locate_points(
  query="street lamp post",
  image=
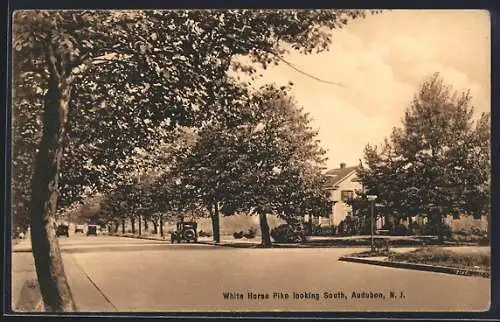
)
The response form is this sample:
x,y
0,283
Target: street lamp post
x,y
372,199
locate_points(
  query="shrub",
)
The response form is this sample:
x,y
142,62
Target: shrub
x,y
238,235
484,242
446,231
475,233
286,233
251,233
204,234
388,226
400,230
431,229
415,229
324,231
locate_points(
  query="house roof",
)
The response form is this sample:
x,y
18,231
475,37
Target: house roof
x,y
335,176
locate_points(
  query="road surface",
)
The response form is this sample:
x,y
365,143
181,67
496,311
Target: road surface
x,y
123,274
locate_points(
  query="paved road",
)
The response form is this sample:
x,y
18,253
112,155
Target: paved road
x,y
121,274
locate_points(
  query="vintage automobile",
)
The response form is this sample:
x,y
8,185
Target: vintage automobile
x,y
79,229
92,230
62,230
186,231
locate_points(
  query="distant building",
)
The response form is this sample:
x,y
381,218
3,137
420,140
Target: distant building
x,y
343,184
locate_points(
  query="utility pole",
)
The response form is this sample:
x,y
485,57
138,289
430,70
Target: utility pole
x,y
372,199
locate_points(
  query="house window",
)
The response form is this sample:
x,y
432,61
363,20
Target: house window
x,y
346,195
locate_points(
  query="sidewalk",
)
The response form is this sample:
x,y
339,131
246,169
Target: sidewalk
x,y
23,245
26,295
87,296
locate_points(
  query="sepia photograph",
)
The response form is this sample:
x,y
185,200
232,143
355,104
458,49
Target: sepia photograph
x,y
250,160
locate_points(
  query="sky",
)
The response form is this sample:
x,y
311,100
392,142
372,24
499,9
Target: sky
x,y
381,61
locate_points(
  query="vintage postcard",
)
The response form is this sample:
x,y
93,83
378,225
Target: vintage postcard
x,y
243,160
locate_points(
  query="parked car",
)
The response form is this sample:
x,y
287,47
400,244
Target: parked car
x,y
92,230
79,229
62,230
186,231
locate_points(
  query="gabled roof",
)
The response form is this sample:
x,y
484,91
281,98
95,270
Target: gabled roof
x,y
335,176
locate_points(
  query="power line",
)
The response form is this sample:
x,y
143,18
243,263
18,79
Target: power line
x,y
303,72
309,75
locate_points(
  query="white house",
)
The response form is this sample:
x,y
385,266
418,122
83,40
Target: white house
x,y
343,184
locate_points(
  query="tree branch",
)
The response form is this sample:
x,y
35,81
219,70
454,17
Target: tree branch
x,y
51,63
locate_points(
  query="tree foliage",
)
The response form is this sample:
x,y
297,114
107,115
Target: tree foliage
x,y
171,67
123,74
437,162
266,161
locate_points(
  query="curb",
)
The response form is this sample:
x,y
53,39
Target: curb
x,y
140,237
419,267
274,245
237,245
246,245
22,250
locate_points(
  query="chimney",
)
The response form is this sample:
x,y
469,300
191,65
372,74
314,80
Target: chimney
x,y
342,165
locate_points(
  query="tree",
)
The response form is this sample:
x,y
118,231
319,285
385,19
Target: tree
x,y
211,171
265,161
284,161
438,162
149,188
186,52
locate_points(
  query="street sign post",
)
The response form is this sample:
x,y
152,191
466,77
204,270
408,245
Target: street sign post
x,y
372,199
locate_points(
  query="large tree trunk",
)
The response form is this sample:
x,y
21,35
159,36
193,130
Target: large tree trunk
x,y
155,226
309,225
216,224
140,225
488,232
146,224
264,230
132,222
161,226
440,227
49,266
123,225
117,226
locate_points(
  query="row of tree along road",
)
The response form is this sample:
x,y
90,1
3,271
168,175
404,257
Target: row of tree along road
x,y
144,108
92,90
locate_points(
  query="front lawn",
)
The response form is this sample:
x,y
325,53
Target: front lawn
x,y
443,257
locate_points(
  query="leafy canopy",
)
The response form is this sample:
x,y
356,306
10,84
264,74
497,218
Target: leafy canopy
x,y
133,72
438,161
